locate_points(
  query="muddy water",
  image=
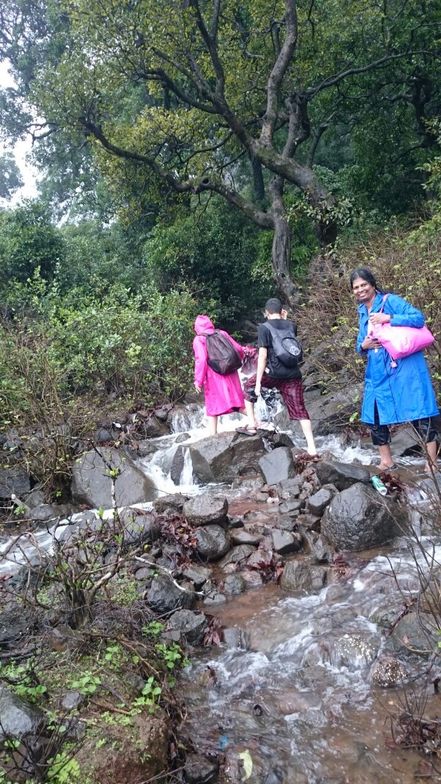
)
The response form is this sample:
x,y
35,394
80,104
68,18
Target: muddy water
x,y
299,699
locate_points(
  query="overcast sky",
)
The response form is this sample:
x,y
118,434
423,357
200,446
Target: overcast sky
x,y
21,151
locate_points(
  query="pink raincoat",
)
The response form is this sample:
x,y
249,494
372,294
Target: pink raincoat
x,y
223,394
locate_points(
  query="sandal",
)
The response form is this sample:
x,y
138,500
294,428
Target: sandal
x,y
246,431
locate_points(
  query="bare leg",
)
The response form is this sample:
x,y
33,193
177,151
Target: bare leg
x,y
306,426
249,411
212,425
386,459
432,454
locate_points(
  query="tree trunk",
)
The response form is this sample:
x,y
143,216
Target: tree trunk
x,y
281,250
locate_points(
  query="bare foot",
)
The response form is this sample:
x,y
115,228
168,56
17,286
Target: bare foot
x,y
385,467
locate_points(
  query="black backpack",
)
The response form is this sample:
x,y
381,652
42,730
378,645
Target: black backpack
x,y
285,345
222,357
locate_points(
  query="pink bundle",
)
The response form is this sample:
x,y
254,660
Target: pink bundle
x,y
400,342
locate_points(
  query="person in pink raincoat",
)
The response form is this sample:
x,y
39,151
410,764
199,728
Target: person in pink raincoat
x,y
223,394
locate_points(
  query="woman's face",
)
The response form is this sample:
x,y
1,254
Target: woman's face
x,y
364,291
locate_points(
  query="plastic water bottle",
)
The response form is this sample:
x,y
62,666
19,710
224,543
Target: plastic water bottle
x,y
379,485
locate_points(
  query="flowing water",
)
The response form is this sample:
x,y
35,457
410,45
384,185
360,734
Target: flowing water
x,y
295,703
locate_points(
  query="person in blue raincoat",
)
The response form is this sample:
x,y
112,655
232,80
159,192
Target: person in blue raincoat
x,y
393,392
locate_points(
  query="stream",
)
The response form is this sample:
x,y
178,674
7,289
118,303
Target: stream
x,y
291,696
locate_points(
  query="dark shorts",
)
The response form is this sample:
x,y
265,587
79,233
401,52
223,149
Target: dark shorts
x,y
381,434
291,390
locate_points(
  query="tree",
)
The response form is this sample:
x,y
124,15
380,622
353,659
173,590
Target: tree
x,y
10,177
230,97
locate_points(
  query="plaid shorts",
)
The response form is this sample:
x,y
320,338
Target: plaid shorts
x,y
291,390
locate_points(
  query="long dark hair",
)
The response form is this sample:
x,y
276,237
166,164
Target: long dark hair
x,y
365,274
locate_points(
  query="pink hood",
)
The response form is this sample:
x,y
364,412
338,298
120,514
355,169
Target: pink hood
x,y
203,324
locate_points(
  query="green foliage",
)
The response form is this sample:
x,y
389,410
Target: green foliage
x,y
23,680
149,698
63,769
86,683
28,242
153,629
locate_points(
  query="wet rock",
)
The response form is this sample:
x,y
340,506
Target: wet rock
x,y
153,427
206,509
234,585
212,542
200,770
14,623
45,512
354,651
18,719
164,596
358,518
310,521
291,507
261,558
414,634
330,413
286,523
318,547
72,700
317,503
277,465
14,480
302,575
191,626
243,536
388,672
143,448
235,638
290,488
34,498
342,475
139,527
252,578
285,542
237,554
223,457
198,575
92,485
173,501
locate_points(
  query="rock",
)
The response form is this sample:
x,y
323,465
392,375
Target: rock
x,y
198,575
139,527
317,503
103,436
200,770
190,625
92,485
164,596
290,488
237,554
72,700
310,521
212,542
261,558
234,584
414,634
277,465
358,518
223,457
330,413
388,672
173,501
354,651
342,475
15,623
243,536
291,507
34,498
318,547
14,480
252,578
18,719
177,464
235,638
206,509
44,512
153,427
301,575
284,542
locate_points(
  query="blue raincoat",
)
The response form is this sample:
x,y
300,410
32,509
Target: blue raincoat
x,y
403,393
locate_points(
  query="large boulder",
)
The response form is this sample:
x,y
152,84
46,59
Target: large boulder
x,y
358,518
92,482
342,475
277,465
415,634
223,457
206,509
187,625
330,413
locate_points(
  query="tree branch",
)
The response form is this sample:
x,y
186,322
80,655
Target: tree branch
x,y
278,72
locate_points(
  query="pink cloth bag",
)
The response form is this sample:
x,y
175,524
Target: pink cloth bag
x,y
400,342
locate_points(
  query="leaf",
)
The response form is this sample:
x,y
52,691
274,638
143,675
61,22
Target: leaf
x,y
247,764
